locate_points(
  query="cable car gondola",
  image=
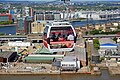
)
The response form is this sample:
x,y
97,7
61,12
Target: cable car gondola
x,y
59,36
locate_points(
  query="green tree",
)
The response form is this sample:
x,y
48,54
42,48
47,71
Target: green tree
x,y
2,34
93,32
96,44
118,27
6,22
86,32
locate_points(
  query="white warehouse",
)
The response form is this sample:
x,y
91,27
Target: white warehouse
x,y
99,15
70,63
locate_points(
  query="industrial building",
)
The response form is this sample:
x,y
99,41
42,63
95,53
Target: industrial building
x,y
70,63
107,47
6,56
98,15
41,55
37,26
38,58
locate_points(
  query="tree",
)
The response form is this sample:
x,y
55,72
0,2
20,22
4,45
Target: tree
x,y
115,39
118,27
1,34
93,32
96,44
86,32
6,22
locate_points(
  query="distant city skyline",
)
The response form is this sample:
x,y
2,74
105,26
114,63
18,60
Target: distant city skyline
x,y
59,0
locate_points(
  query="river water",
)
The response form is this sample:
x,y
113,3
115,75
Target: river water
x,y
8,30
105,76
12,29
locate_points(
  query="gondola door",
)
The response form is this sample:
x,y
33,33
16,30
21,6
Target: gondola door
x,y
45,37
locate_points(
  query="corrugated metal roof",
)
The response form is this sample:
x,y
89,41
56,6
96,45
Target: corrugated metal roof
x,y
34,59
106,40
6,54
38,58
69,58
43,50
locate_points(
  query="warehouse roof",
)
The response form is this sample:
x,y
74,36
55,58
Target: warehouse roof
x,y
69,58
106,40
6,54
43,50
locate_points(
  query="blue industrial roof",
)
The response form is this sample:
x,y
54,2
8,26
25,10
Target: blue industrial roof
x,y
108,44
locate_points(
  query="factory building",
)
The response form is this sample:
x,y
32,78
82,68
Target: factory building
x,y
37,26
70,63
99,15
107,47
6,57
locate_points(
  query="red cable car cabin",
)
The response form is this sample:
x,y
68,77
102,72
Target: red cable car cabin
x,y
59,36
